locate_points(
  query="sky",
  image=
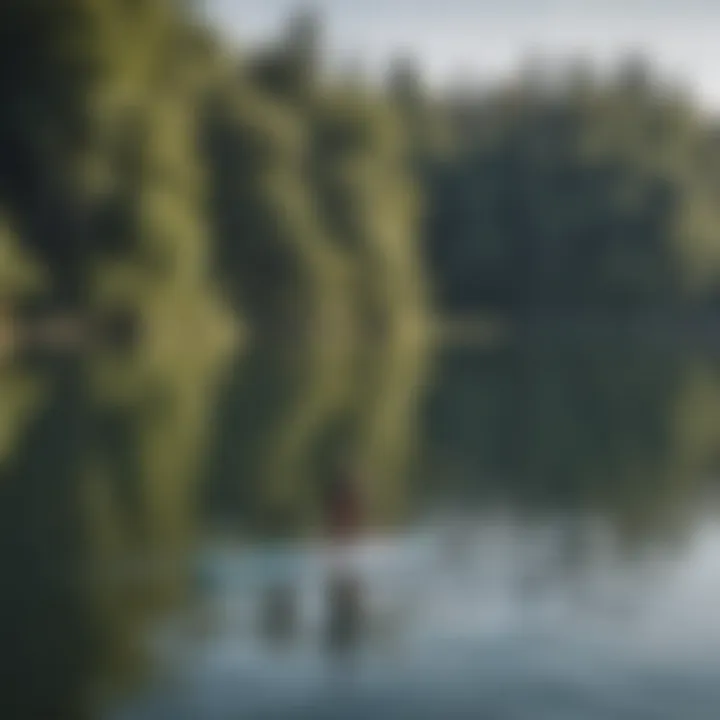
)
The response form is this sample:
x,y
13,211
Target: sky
x,y
488,39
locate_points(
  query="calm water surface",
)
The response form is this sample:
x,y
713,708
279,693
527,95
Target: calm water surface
x,y
549,546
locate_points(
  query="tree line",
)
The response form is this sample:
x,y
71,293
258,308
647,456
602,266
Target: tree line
x,y
572,192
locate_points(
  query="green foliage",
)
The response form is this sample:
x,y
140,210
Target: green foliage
x,y
578,196
19,275
148,174
168,184
362,166
608,425
21,394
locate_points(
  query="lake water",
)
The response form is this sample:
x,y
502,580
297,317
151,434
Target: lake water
x,y
548,547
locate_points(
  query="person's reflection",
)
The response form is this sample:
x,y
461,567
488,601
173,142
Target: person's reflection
x,y
344,525
279,612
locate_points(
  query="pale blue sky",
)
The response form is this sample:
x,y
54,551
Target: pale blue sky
x,y
488,38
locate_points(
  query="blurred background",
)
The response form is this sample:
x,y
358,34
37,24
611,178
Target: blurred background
x,y
359,361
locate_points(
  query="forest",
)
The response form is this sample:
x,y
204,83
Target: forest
x,y
254,188
253,253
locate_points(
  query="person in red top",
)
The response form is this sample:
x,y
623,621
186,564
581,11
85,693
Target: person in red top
x,y
343,507
344,522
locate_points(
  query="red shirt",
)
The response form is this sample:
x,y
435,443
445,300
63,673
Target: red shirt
x,y
344,513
